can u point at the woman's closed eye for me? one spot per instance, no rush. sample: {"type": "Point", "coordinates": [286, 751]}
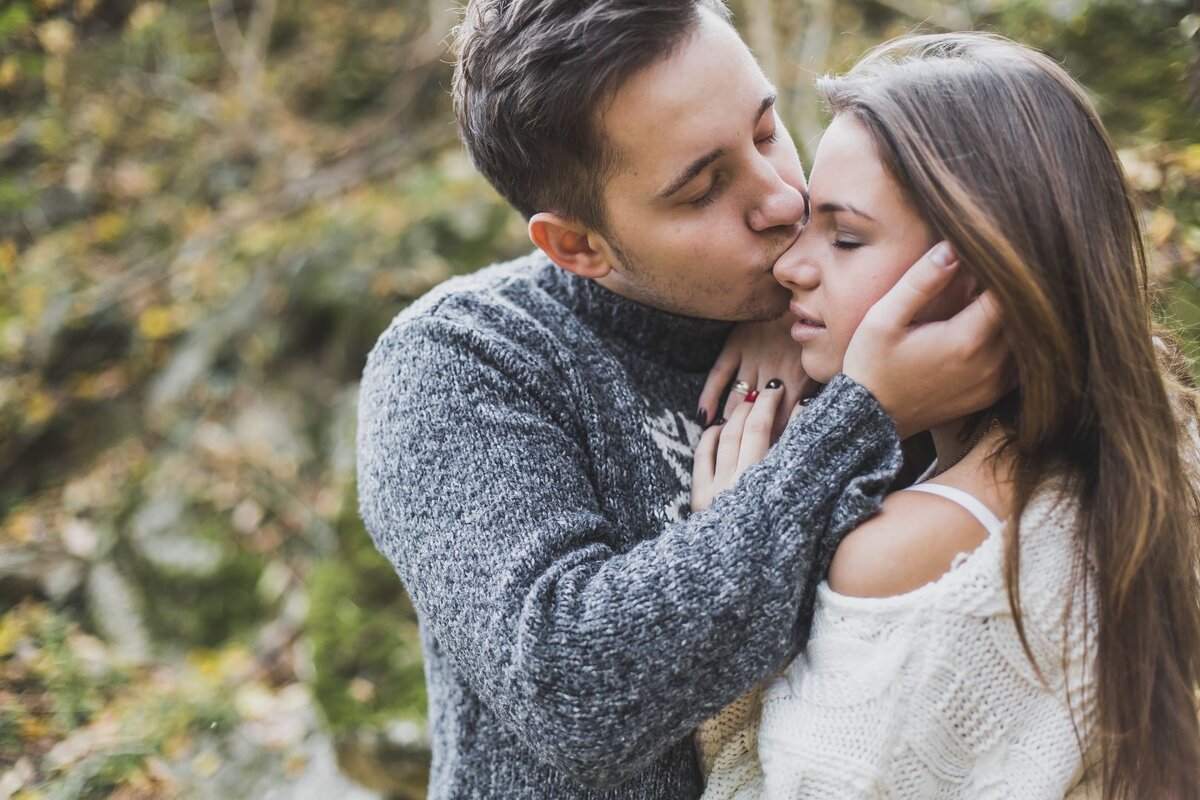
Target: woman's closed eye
{"type": "Point", "coordinates": [843, 242]}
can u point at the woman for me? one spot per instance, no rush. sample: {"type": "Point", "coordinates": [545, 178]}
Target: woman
{"type": "Point", "coordinates": [1025, 622]}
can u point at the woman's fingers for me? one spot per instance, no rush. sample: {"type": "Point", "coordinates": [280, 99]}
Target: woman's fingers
{"type": "Point", "coordinates": [726, 450]}
{"type": "Point", "coordinates": [760, 420]}
{"type": "Point", "coordinates": [747, 375]}
{"type": "Point", "coordinates": [729, 447]}
{"type": "Point", "coordinates": [718, 378]}
{"type": "Point", "coordinates": [704, 469]}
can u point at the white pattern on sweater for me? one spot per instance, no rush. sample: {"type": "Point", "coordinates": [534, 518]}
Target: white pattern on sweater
{"type": "Point", "coordinates": [928, 694]}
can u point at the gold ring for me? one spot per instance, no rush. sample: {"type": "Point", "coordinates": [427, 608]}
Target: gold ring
{"type": "Point", "coordinates": [741, 387]}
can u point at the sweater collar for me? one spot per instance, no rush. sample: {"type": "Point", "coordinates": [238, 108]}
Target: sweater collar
{"type": "Point", "coordinates": [688, 343]}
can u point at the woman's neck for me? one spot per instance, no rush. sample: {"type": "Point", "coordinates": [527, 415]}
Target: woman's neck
{"type": "Point", "coordinates": [958, 440]}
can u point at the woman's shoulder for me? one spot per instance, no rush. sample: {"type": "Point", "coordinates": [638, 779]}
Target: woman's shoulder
{"type": "Point", "coordinates": [922, 544]}
{"type": "Point", "coordinates": [915, 540]}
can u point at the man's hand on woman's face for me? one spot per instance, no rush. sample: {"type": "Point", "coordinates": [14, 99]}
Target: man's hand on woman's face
{"type": "Point", "coordinates": [728, 448]}
{"type": "Point", "coordinates": [925, 374]}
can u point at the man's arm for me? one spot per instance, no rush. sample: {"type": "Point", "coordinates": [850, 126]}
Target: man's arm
{"type": "Point", "coordinates": [474, 482]}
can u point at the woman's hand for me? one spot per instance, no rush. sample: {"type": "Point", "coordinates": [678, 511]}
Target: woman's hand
{"type": "Point", "coordinates": [756, 352]}
{"type": "Point", "coordinates": [728, 448]}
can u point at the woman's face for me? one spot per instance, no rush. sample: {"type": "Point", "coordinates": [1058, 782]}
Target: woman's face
{"type": "Point", "coordinates": [861, 236]}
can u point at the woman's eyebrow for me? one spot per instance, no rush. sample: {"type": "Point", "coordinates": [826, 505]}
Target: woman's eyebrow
{"type": "Point", "coordinates": [833, 208]}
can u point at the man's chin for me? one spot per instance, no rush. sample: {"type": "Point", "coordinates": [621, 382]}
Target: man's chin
{"type": "Point", "coordinates": [764, 308]}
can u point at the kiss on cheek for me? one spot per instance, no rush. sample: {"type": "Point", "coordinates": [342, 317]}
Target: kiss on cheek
{"type": "Point", "coordinates": [861, 236]}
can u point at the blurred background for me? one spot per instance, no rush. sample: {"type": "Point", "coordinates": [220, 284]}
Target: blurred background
{"type": "Point", "coordinates": [209, 210]}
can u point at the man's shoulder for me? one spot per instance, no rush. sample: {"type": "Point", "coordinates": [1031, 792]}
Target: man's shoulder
{"type": "Point", "coordinates": [509, 306]}
{"type": "Point", "coordinates": [487, 299]}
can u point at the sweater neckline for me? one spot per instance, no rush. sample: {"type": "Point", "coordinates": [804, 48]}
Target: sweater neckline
{"type": "Point", "coordinates": [985, 562]}
{"type": "Point", "coordinates": [688, 343]}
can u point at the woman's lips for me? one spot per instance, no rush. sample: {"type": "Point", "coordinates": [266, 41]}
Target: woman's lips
{"type": "Point", "coordinates": [805, 327]}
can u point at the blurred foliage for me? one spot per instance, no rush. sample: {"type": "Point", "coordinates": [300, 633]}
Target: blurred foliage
{"type": "Point", "coordinates": [209, 209]}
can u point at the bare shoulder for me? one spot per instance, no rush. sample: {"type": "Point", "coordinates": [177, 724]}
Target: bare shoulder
{"type": "Point", "coordinates": [911, 542]}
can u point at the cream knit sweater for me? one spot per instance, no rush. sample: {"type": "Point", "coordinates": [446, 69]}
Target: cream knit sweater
{"type": "Point", "coordinates": [928, 694]}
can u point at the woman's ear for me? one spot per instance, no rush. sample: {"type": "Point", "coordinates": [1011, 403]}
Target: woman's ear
{"type": "Point", "coordinates": [568, 244]}
{"type": "Point", "coordinates": [971, 284]}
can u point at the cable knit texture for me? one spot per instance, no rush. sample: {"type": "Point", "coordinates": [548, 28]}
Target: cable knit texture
{"type": "Point", "coordinates": [525, 451]}
{"type": "Point", "coordinates": [929, 694]}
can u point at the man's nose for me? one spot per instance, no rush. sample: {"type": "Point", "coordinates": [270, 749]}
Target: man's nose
{"type": "Point", "coordinates": [779, 203]}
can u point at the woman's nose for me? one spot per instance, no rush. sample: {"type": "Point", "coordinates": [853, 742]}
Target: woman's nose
{"type": "Point", "coordinates": [795, 271]}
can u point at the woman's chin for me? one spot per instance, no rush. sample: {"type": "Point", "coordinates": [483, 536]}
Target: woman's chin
{"type": "Point", "coordinates": [819, 369]}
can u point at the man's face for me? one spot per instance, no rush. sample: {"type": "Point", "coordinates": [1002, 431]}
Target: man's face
{"type": "Point", "coordinates": [708, 190]}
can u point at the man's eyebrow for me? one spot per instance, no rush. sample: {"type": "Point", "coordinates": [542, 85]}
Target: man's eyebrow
{"type": "Point", "coordinates": [832, 208]}
{"type": "Point", "coordinates": [694, 169]}
{"type": "Point", "coordinates": [698, 166]}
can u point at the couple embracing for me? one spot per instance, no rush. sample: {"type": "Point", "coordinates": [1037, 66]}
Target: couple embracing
{"type": "Point", "coordinates": [624, 595]}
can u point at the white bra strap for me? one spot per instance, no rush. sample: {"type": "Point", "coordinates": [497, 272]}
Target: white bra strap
{"type": "Point", "coordinates": [969, 503]}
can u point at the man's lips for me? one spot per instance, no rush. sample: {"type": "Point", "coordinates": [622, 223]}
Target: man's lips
{"type": "Point", "coordinates": [785, 245]}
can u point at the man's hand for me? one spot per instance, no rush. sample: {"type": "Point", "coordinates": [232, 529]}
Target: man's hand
{"type": "Point", "coordinates": [757, 352]}
{"type": "Point", "coordinates": [727, 450]}
{"type": "Point", "coordinates": [925, 374]}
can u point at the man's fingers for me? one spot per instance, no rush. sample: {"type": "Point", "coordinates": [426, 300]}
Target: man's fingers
{"type": "Point", "coordinates": [924, 281]}
{"type": "Point", "coordinates": [981, 317]}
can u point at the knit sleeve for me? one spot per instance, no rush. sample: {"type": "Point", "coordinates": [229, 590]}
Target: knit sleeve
{"type": "Point", "coordinates": [475, 483]}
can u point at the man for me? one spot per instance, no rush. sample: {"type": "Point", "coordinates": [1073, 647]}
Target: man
{"type": "Point", "coordinates": [526, 433]}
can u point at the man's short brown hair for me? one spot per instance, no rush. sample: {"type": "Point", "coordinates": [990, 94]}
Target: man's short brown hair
{"type": "Point", "coordinates": [531, 82]}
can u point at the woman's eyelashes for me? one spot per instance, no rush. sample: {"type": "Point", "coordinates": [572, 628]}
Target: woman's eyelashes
{"type": "Point", "coordinates": [846, 237]}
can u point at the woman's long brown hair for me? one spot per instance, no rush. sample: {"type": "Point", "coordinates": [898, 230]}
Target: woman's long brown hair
{"type": "Point", "coordinates": [1004, 156]}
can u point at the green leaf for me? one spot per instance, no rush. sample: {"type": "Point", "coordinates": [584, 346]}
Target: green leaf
{"type": "Point", "coordinates": [13, 20]}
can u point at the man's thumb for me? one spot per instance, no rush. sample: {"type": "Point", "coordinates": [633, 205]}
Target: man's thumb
{"type": "Point", "coordinates": [924, 281]}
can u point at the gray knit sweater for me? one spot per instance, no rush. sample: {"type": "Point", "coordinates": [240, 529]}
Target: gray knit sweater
{"type": "Point", "coordinates": [524, 460]}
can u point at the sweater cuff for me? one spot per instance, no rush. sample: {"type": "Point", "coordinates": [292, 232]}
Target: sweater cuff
{"type": "Point", "coordinates": [848, 407]}
{"type": "Point", "coordinates": [846, 435]}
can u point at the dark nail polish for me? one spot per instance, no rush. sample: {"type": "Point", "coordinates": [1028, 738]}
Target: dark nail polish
{"type": "Point", "coordinates": [718, 421]}
{"type": "Point", "coordinates": [702, 417]}
{"type": "Point", "coordinates": [775, 383]}
{"type": "Point", "coordinates": [750, 398]}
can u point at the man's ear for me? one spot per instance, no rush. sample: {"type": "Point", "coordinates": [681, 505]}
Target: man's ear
{"type": "Point", "coordinates": [569, 244]}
